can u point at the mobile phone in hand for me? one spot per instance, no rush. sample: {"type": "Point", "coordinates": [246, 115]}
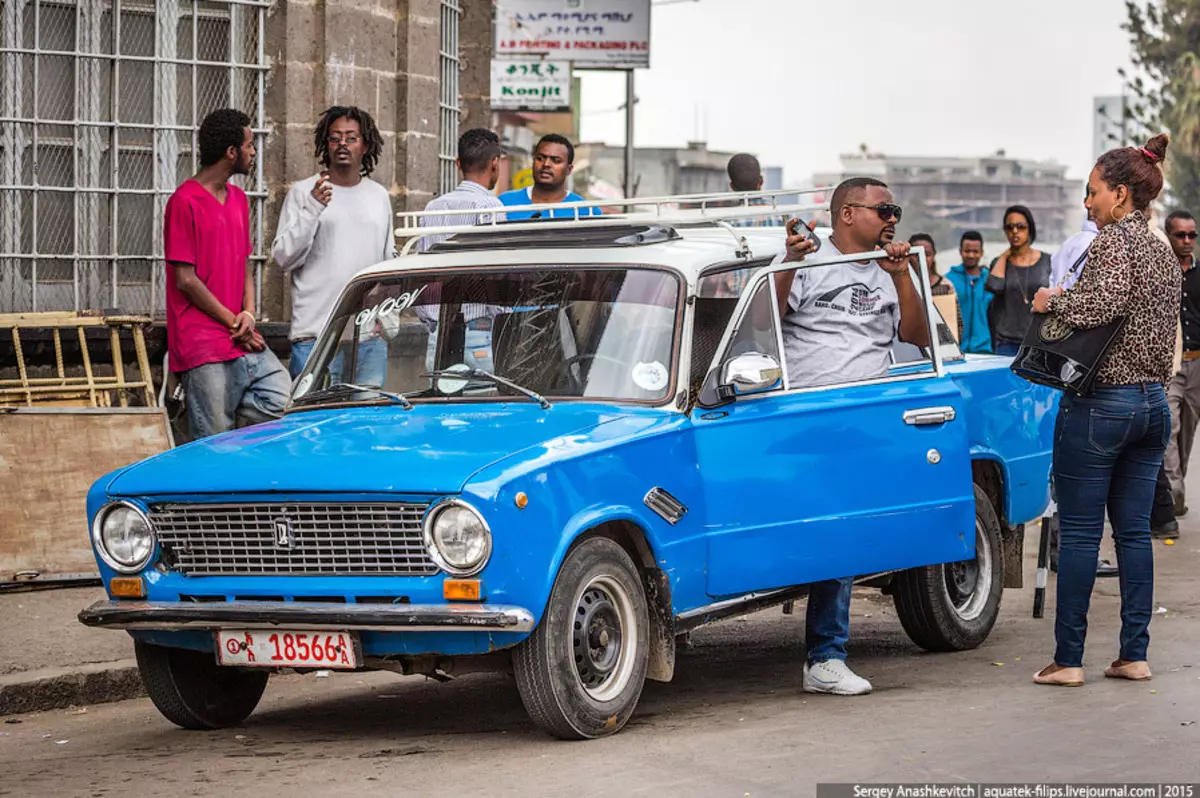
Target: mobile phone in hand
{"type": "Point", "coordinates": [797, 226]}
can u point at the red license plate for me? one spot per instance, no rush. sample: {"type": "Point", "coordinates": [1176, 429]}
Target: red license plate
{"type": "Point", "coordinates": [268, 648]}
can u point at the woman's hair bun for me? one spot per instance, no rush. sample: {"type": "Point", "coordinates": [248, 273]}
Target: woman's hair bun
{"type": "Point", "coordinates": [1157, 146]}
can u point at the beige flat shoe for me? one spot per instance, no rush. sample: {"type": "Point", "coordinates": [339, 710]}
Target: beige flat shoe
{"type": "Point", "coordinates": [1133, 671]}
{"type": "Point", "coordinates": [1058, 676]}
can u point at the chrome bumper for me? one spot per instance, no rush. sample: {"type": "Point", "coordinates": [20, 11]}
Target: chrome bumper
{"type": "Point", "coordinates": [307, 615]}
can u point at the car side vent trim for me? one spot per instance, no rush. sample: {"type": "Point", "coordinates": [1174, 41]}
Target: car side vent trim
{"type": "Point", "coordinates": [666, 505]}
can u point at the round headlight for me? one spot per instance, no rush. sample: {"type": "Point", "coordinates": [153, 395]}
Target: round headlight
{"type": "Point", "coordinates": [123, 537]}
{"type": "Point", "coordinates": [458, 538]}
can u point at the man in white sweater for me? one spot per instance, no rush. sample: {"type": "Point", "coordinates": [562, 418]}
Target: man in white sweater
{"type": "Point", "coordinates": [334, 224]}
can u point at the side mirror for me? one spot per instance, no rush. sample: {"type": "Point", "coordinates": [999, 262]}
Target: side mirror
{"type": "Point", "coordinates": [742, 375]}
{"type": "Point", "coordinates": [750, 373]}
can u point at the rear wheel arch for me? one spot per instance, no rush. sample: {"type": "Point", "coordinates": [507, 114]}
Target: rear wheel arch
{"type": "Point", "coordinates": [988, 474]}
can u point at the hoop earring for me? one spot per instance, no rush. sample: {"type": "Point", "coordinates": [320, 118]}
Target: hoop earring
{"type": "Point", "coordinates": [1124, 213]}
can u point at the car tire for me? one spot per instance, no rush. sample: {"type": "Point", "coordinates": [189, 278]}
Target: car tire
{"type": "Point", "coordinates": [191, 690]}
{"type": "Point", "coordinates": [953, 607]}
{"type": "Point", "coordinates": [581, 672]}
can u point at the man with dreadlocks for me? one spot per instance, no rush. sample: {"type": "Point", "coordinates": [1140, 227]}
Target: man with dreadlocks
{"type": "Point", "coordinates": [332, 225]}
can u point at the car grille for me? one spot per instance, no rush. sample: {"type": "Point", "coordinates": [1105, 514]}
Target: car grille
{"type": "Point", "coordinates": [293, 539]}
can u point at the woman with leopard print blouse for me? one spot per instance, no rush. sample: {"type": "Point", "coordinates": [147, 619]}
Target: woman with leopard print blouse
{"type": "Point", "coordinates": [1109, 444]}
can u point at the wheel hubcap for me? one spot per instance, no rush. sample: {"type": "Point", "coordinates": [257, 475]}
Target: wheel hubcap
{"type": "Point", "coordinates": [602, 652]}
{"type": "Point", "coordinates": [968, 583]}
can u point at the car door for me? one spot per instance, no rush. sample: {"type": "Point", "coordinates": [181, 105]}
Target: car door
{"type": "Point", "coordinates": [811, 484]}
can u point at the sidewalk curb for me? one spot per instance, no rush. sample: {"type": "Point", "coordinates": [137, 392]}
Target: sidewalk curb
{"type": "Point", "coordinates": [57, 688]}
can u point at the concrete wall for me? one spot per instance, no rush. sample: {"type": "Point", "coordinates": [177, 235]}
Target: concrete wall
{"type": "Point", "coordinates": [381, 55]}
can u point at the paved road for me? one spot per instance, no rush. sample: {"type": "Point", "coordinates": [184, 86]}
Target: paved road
{"type": "Point", "coordinates": [732, 723]}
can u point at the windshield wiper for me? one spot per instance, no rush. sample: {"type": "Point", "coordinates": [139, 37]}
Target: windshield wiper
{"type": "Point", "coordinates": [340, 387]}
{"type": "Point", "coordinates": [480, 374]}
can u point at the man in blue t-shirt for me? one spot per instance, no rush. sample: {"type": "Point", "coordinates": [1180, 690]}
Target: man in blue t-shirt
{"type": "Point", "coordinates": [553, 162]}
{"type": "Point", "coordinates": [969, 279]}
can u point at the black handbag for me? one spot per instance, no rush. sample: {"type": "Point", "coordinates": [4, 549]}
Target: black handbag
{"type": "Point", "coordinates": [1058, 355]}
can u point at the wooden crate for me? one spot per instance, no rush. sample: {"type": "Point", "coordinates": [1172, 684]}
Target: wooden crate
{"type": "Point", "coordinates": [49, 458]}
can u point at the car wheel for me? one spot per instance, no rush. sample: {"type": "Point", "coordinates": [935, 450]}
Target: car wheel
{"type": "Point", "coordinates": [581, 672]}
{"type": "Point", "coordinates": [953, 607]}
{"type": "Point", "coordinates": [191, 690]}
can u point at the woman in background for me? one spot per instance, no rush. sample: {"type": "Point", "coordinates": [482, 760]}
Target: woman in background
{"type": "Point", "coordinates": [1015, 278]}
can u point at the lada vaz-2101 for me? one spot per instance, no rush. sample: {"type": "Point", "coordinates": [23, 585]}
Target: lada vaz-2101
{"type": "Point", "coordinates": [584, 445]}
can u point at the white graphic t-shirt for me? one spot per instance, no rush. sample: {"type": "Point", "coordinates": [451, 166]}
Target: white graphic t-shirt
{"type": "Point", "coordinates": [841, 322]}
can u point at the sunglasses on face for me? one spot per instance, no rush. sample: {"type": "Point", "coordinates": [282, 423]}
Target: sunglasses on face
{"type": "Point", "coordinates": [887, 211]}
{"type": "Point", "coordinates": [1182, 236]}
{"type": "Point", "coordinates": [1008, 228]}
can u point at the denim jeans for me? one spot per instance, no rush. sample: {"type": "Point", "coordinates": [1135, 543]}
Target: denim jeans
{"type": "Point", "coordinates": [252, 388]}
{"type": "Point", "coordinates": [1108, 448]}
{"type": "Point", "coordinates": [827, 622]}
{"type": "Point", "coordinates": [1006, 348]}
{"type": "Point", "coordinates": [371, 369]}
{"type": "Point", "coordinates": [477, 350]}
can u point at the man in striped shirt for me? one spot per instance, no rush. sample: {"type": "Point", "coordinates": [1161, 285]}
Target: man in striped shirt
{"type": "Point", "coordinates": [479, 161]}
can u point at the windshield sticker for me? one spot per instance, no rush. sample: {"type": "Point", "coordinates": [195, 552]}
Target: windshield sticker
{"type": "Point", "coordinates": [651, 376]}
{"type": "Point", "coordinates": [392, 305]}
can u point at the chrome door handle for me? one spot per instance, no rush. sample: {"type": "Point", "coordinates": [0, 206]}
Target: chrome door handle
{"type": "Point", "coordinates": [926, 416]}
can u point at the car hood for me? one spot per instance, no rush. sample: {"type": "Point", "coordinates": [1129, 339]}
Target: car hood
{"type": "Point", "coordinates": [430, 449]}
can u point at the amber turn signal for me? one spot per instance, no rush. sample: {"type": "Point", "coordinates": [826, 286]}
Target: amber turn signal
{"type": "Point", "coordinates": [462, 589]}
{"type": "Point", "coordinates": [127, 587]}
{"type": "Point", "coordinates": [521, 500]}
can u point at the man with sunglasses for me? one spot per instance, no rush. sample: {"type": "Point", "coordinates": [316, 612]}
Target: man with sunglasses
{"type": "Point", "coordinates": [839, 324]}
{"type": "Point", "coordinates": [1184, 390]}
{"type": "Point", "coordinates": [333, 224]}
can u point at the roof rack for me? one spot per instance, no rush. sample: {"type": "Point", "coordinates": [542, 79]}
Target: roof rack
{"type": "Point", "coordinates": [685, 209]}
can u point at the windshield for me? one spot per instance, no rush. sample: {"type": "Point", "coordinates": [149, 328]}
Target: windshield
{"type": "Point", "coordinates": [602, 333]}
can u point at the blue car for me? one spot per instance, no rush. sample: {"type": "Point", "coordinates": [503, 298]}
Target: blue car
{"type": "Point", "coordinates": [633, 464]}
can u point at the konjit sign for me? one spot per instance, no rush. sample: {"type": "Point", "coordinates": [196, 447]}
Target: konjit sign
{"type": "Point", "coordinates": [596, 34]}
{"type": "Point", "coordinates": [531, 85]}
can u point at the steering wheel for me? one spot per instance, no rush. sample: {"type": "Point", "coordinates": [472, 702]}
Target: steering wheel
{"type": "Point", "coordinates": [576, 384]}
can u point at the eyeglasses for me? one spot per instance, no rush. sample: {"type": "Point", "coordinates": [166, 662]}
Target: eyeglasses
{"type": "Point", "coordinates": [1182, 236]}
{"type": "Point", "coordinates": [887, 211]}
{"type": "Point", "coordinates": [1008, 228]}
{"type": "Point", "coordinates": [335, 141]}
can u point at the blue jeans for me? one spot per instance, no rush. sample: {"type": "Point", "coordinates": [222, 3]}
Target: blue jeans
{"type": "Point", "coordinates": [252, 388]}
{"type": "Point", "coordinates": [371, 369]}
{"type": "Point", "coordinates": [477, 350]}
{"type": "Point", "coordinates": [827, 622]}
{"type": "Point", "coordinates": [1007, 348]}
{"type": "Point", "coordinates": [1108, 448]}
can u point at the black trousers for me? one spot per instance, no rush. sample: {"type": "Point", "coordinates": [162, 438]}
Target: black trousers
{"type": "Point", "coordinates": [1163, 511]}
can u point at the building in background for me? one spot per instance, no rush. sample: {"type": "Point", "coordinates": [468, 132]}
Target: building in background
{"type": "Point", "coordinates": [91, 150]}
{"type": "Point", "coordinates": [661, 171]}
{"type": "Point", "coordinates": [948, 196]}
{"type": "Point", "coordinates": [1109, 125]}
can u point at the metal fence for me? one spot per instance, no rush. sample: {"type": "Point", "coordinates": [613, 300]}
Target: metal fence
{"type": "Point", "coordinates": [100, 101]}
{"type": "Point", "coordinates": [448, 101]}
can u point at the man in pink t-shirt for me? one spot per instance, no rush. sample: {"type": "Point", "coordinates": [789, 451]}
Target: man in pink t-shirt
{"type": "Point", "coordinates": [224, 364]}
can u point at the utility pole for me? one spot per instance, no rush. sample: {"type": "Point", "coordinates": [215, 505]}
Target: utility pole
{"type": "Point", "coordinates": [629, 101]}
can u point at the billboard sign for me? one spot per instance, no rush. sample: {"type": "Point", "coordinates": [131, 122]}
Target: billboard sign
{"type": "Point", "coordinates": [531, 85]}
{"type": "Point", "coordinates": [591, 34]}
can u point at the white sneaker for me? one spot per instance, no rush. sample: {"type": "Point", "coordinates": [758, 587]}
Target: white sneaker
{"type": "Point", "coordinates": [835, 677]}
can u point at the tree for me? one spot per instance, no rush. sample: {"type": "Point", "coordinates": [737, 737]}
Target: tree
{"type": "Point", "coordinates": [1165, 35]}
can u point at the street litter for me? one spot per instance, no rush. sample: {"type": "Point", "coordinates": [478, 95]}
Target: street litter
{"type": "Point", "coordinates": [61, 742]}
{"type": "Point", "coordinates": [1168, 542]}
{"type": "Point", "coordinates": [1188, 723]}
{"type": "Point", "coordinates": [1161, 611]}
{"type": "Point", "coordinates": [998, 664]}
{"type": "Point", "coordinates": [323, 674]}
{"type": "Point", "coordinates": [1153, 692]}
{"type": "Point", "coordinates": [47, 736]}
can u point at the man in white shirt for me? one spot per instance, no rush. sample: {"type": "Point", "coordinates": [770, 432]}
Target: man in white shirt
{"type": "Point", "coordinates": [839, 324]}
{"type": "Point", "coordinates": [332, 225]}
{"type": "Point", "coordinates": [1075, 247]}
{"type": "Point", "coordinates": [479, 153]}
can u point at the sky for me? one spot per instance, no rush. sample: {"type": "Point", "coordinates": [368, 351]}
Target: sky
{"type": "Point", "coordinates": [798, 82]}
